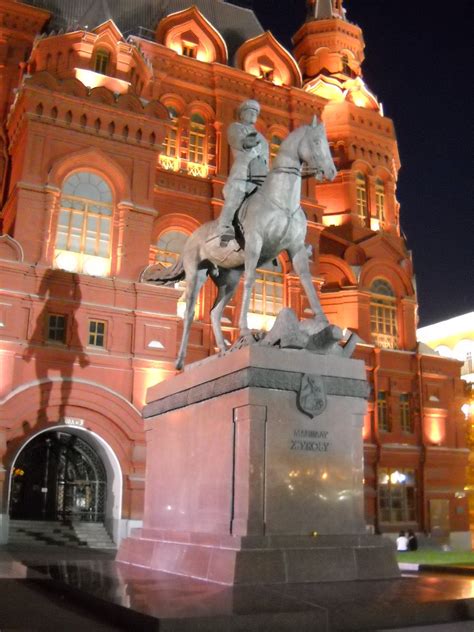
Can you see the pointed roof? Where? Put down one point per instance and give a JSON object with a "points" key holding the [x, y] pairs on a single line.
{"points": [[140, 17], [325, 10]]}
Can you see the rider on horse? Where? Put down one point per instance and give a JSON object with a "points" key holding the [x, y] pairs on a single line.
{"points": [[250, 153]]}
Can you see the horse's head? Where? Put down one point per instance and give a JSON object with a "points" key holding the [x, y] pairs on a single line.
{"points": [[315, 152]]}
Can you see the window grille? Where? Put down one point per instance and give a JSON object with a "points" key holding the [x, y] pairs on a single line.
{"points": [[102, 59], [84, 224], [383, 315], [397, 495], [57, 328], [97, 330]]}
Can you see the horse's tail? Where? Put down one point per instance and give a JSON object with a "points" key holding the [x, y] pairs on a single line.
{"points": [[159, 274]]}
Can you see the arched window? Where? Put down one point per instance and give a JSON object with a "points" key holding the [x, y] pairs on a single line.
{"points": [[169, 158], [361, 197], [101, 62], [167, 251], [267, 295], [383, 315], [84, 225], [169, 247], [379, 200], [275, 143], [197, 158]]}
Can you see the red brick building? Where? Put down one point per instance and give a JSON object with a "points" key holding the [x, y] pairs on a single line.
{"points": [[112, 151]]}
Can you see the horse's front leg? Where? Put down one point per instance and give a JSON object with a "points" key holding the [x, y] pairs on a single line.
{"points": [[252, 255], [299, 259]]}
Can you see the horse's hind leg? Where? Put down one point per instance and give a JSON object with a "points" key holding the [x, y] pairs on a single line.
{"points": [[299, 259], [253, 249], [226, 282], [194, 281]]}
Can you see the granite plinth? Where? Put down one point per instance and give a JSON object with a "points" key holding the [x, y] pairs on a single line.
{"points": [[254, 472]]}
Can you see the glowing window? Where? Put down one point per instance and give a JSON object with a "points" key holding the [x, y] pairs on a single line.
{"points": [[406, 421], [266, 72], [97, 330], [102, 59], [267, 294], [197, 139], [383, 315], [361, 197], [397, 495], [171, 140], [379, 199], [84, 225], [275, 143], [189, 49], [170, 246]]}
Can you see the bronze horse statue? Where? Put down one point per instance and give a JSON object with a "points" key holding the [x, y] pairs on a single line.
{"points": [[270, 221]]}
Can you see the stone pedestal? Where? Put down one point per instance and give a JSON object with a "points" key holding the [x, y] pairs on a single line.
{"points": [[254, 472]]}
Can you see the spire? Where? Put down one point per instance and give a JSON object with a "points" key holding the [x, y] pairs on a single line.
{"points": [[325, 9]]}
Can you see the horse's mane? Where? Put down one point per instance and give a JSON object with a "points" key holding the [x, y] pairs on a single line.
{"points": [[295, 135]]}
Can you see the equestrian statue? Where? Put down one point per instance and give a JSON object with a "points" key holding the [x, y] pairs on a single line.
{"points": [[267, 219]]}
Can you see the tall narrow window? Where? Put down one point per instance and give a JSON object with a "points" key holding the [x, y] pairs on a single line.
{"points": [[275, 143], [383, 413], [397, 495], [361, 197], [346, 69], [380, 199], [169, 158], [84, 225], [267, 295], [102, 59], [383, 315], [168, 249], [197, 146], [406, 423]]}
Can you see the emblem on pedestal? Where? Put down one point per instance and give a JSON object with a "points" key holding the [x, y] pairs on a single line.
{"points": [[312, 396]]}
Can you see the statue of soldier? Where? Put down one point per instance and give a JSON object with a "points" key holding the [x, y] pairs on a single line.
{"points": [[250, 152]]}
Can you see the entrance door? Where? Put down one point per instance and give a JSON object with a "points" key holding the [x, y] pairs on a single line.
{"points": [[58, 476]]}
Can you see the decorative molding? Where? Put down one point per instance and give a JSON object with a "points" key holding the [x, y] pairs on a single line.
{"points": [[254, 377]]}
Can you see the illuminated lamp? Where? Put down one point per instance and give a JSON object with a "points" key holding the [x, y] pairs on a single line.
{"points": [[68, 261], [374, 223]]}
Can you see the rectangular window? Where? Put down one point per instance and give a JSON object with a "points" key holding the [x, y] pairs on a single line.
{"points": [[97, 330], [57, 327], [383, 412], [405, 413], [397, 495]]}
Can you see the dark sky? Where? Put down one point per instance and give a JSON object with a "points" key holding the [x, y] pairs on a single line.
{"points": [[418, 63]]}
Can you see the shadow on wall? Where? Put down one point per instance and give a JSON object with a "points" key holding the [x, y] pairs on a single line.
{"points": [[55, 344]]}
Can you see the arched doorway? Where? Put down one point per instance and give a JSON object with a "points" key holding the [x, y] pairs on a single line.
{"points": [[59, 476]]}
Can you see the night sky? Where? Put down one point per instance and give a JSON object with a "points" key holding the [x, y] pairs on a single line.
{"points": [[418, 64]]}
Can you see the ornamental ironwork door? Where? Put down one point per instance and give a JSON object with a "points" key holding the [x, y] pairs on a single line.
{"points": [[59, 476]]}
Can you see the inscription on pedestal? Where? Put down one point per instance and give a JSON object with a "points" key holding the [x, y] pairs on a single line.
{"points": [[310, 441]]}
